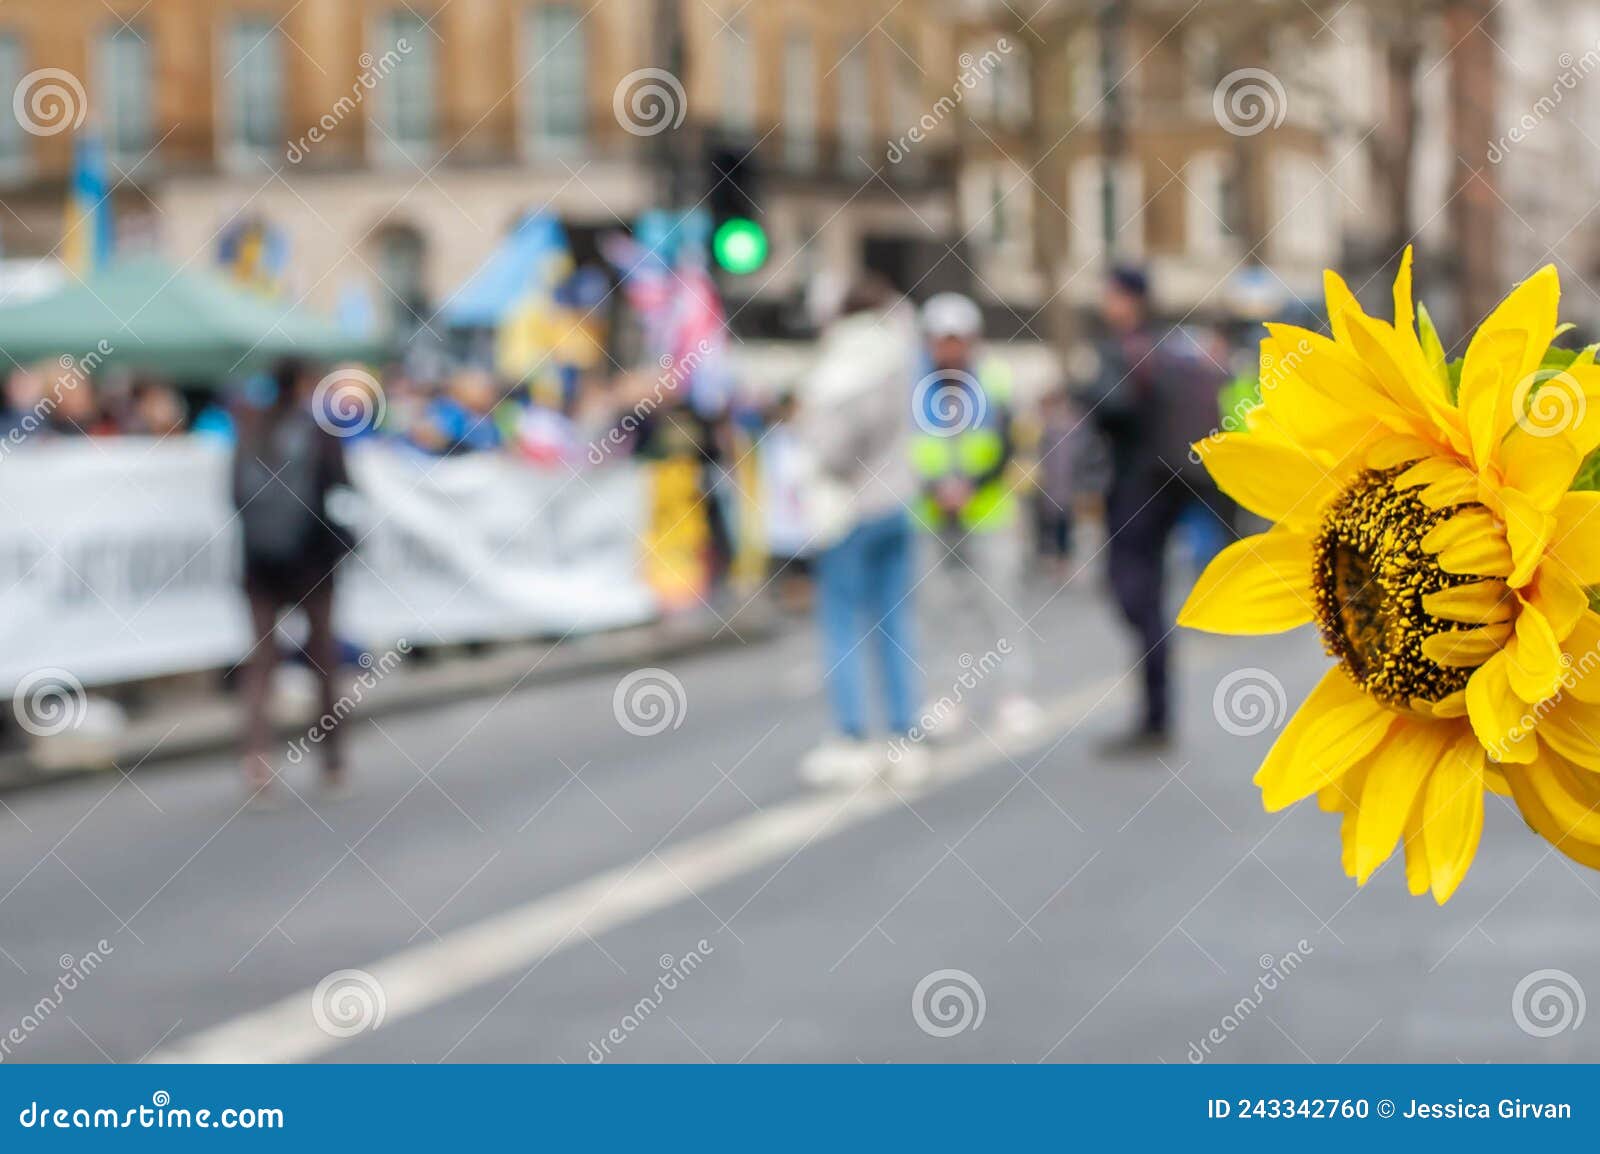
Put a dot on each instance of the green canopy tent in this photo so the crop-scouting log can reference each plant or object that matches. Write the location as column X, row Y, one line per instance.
column 192, row 326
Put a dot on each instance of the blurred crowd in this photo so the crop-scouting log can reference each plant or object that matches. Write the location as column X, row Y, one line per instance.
column 1058, row 459
column 463, row 410
column 56, row 399
column 981, row 488
column 903, row 456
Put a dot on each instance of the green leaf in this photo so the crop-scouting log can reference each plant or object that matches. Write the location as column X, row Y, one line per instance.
column 1588, row 475
column 1433, row 348
column 1557, row 360
column 1452, row 387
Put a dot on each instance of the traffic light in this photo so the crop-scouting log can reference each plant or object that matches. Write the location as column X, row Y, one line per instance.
column 739, row 244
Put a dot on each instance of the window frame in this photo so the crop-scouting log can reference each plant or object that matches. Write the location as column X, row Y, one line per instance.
column 537, row 143
column 235, row 150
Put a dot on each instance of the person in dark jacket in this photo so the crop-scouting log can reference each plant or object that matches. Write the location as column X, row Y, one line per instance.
column 1130, row 403
column 285, row 466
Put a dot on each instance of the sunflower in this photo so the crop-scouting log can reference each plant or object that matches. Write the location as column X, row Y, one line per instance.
column 1436, row 521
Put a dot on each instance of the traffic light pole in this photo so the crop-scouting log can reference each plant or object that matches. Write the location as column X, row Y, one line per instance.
column 1112, row 17
column 674, row 159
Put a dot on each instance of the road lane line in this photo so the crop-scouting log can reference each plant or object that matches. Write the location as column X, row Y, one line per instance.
column 424, row 975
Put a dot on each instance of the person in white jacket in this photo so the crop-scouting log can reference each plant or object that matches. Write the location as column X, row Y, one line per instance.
column 854, row 422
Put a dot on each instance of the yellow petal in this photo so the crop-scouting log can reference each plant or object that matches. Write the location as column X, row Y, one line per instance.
column 1572, row 730
column 1458, row 490
column 1426, row 472
column 1333, row 798
column 1476, row 603
column 1388, row 451
column 1584, row 435
column 1352, row 786
column 1452, row 819
column 1581, row 656
column 1418, row 877
column 1533, row 657
column 1336, row 726
column 1374, row 345
column 1335, row 372
column 1561, row 599
column 1343, row 307
column 1534, row 787
column 1450, row 705
column 1395, row 774
column 1297, row 412
column 1486, row 391
column 1572, row 796
column 1528, row 529
column 1466, row 648
column 1397, row 361
column 1259, row 584
column 1272, row 478
column 1471, row 543
column 1501, row 721
column 1504, row 352
column 1530, row 310
column 1404, row 315
column 1575, row 541
column 1539, row 465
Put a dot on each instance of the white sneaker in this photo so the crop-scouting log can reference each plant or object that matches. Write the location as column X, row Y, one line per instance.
column 841, row 761
column 942, row 719
column 909, row 766
column 1018, row 716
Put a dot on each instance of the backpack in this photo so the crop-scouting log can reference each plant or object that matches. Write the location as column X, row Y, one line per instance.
column 280, row 494
column 1189, row 379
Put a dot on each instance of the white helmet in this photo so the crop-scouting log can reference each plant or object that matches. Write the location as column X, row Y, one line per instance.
column 952, row 315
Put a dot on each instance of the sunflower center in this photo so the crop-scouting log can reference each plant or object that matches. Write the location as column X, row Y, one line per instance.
column 1370, row 574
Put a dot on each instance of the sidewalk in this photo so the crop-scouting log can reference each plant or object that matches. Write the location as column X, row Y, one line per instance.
column 207, row 723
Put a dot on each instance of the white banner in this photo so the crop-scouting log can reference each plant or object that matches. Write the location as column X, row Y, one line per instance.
column 119, row 558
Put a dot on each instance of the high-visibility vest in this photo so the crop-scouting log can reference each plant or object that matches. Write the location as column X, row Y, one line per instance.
column 970, row 451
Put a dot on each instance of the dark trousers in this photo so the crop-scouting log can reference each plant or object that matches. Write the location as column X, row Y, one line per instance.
column 1139, row 520
column 266, row 606
column 1052, row 529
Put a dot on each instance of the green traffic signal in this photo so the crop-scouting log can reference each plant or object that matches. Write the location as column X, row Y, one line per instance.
column 739, row 245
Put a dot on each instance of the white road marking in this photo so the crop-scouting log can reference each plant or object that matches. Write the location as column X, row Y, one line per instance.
column 432, row 972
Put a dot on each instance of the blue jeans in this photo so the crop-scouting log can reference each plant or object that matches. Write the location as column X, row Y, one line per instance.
column 1203, row 532
column 863, row 590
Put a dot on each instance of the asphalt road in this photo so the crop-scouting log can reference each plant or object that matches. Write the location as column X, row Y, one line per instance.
column 521, row 878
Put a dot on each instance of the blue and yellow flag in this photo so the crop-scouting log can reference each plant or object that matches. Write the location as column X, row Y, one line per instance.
column 86, row 236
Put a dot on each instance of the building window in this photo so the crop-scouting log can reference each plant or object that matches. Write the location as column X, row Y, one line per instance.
column 253, row 81
column 737, row 53
column 799, row 101
column 905, row 111
column 999, row 70
column 1083, row 62
column 855, row 111
column 122, row 79
column 998, row 211
column 1303, row 205
column 1211, row 178
column 1203, row 70
column 558, row 60
column 1087, row 208
column 406, row 104
column 998, row 215
column 402, row 255
column 13, row 140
